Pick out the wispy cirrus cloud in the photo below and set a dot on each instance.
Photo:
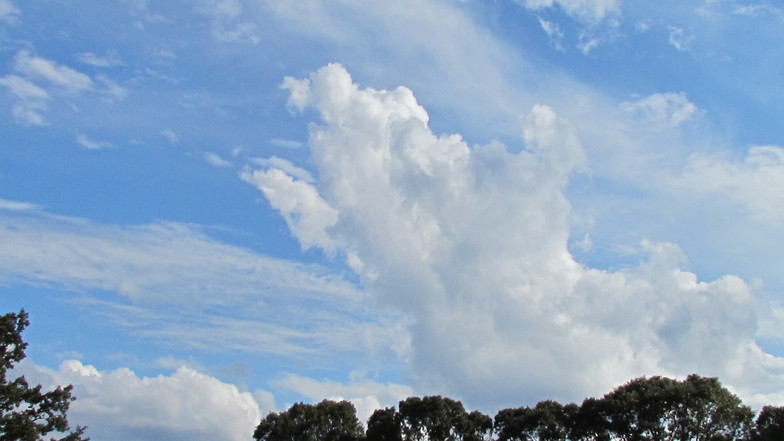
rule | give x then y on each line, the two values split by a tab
31	100
585	10
752	182
110	59
227	21
37	80
90	144
216	160
52	72
8	12
166	280
662	109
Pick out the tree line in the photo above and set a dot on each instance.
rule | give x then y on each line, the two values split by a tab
644	409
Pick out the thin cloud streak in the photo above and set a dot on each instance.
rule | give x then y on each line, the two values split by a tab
173	275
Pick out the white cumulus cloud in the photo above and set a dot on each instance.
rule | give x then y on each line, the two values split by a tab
285	166
471	243
306	213
120	405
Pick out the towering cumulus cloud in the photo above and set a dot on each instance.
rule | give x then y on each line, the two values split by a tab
471	243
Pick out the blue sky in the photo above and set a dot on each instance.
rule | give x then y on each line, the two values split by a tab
213	209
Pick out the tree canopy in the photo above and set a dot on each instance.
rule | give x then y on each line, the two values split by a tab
644	409
770	424
26	412
325	421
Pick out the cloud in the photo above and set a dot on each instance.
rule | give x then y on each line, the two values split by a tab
111	90
30	100
215	160
752	183
54	73
111	59
287	143
680	39
89	144
8	12
662	109
759	10
471	243
172	284
598	20
424	37
226	24
554	32
266	400
366	395
120	405
139	8
33	74
170	135
584	10
307	215
285	166
17	206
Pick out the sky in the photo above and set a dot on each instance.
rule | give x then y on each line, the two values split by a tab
213	209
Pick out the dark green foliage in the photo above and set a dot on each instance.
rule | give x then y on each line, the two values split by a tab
641	409
384	425
590	421
325	421
770	424
696	409
27	413
710	412
644	409
478	427
431	418
548	421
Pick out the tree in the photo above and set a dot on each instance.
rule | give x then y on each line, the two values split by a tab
710	412
590	421
642	409
659	409
548	421
384	425
325	421
436	418
27	413
770	424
